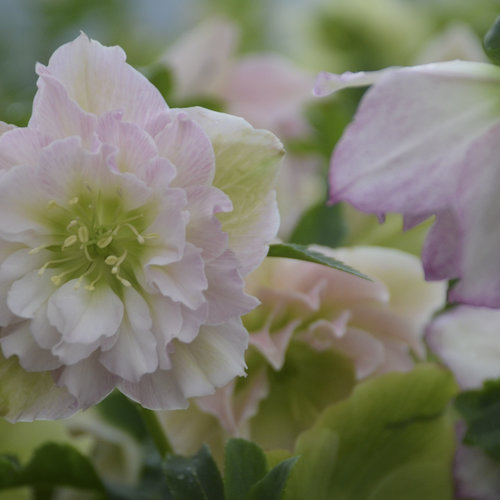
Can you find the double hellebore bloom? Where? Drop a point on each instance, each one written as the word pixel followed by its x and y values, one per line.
pixel 126 229
pixel 425 141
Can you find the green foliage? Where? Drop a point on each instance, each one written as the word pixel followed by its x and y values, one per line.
pixel 244 465
pixel 308 382
pixel 481 411
pixel 392 439
pixel 52 465
pixel 491 42
pixel 195 478
pixel 301 252
pixel 321 224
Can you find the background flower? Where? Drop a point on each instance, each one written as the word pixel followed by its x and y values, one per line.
pixel 312 324
pixel 123 247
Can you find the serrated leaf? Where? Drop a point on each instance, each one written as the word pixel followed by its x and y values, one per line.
pixel 392 438
pixel 51 465
pixel 301 252
pixel 481 411
pixel 272 485
pixel 244 465
pixel 194 478
pixel 321 224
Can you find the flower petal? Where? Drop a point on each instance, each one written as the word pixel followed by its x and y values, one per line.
pixel 83 316
pixel 411 130
pixel 26 396
pixel 134 353
pixel 99 80
pixel 188 147
pixel 466 339
pixel 246 166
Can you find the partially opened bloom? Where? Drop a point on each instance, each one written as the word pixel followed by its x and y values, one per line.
pixel 126 229
pixel 425 141
pixel 311 319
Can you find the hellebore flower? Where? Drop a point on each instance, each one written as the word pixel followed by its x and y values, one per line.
pixel 424 142
pixel 126 229
pixel 310 319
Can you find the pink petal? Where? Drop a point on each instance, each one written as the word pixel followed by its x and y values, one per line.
pixel 188 147
pixel 225 293
pixel 99 80
pixel 411 131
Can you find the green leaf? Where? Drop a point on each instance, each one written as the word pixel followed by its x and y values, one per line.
pixel 308 382
pixel 119 411
pixel 51 465
pixel 491 42
pixel 321 225
pixel 244 465
pixel 272 485
pixel 194 478
pixel 301 252
pixel 392 439
pixel 481 411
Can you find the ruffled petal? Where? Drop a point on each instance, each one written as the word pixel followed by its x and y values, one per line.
pixel 134 352
pixel 83 316
pixel 18 340
pixel 225 293
pixel 99 80
pixel 188 147
pixel 246 166
pixel 88 381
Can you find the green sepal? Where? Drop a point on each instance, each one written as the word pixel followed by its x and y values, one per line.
pixel 491 42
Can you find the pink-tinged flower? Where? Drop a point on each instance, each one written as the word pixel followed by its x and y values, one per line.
pixel 424 142
pixel 126 229
pixel 306 312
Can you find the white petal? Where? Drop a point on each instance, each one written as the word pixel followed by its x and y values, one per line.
pixel 134 353
pixel 27 294
pixel 99 80
pixel 82 315
pixel 466 339
pixel 88 381
pixel 18 340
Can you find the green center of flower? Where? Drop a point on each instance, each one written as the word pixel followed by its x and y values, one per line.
pixel 95 241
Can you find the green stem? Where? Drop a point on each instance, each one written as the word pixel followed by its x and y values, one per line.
pixel 156 431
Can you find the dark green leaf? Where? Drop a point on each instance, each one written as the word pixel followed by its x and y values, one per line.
pixel 194 478
pixel 301 252
pixel 119 411
pixel 272 486
pixel 244 465
pixel 322 225
pixel 51 465
pixel 481 411
pixel 491 42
